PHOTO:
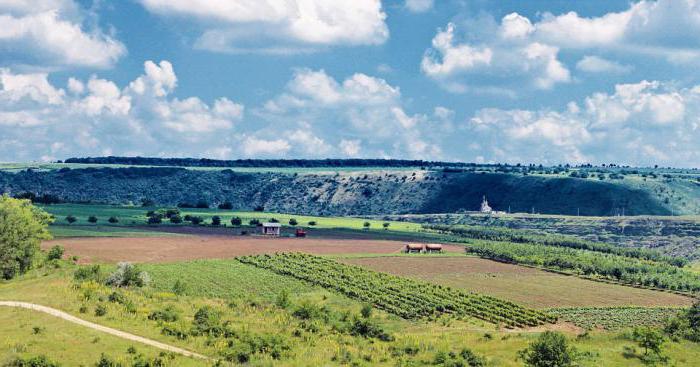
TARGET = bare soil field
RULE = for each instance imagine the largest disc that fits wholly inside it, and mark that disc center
(528, 286)
(172, 249)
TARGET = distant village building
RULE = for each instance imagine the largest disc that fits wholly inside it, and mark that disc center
(485, 208)
(271, 229)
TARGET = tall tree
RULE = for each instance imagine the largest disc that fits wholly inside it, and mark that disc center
(22, 227)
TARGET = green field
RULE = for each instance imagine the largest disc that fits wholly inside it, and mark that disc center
(136, 216)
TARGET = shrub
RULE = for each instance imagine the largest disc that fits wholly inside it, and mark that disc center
(106, 361)
(176, 219)
(154, 220)
(55, 253)
(38, 361)
(128, 275)
(202, 204)
(366, 225)
(236, 221)
(254, 222)
(259, 208)
(89, 273)
(179, 287)
(117, 297)
(649, 339)
(196, 220)
(216, 220)
(293, 222)
(386, 225)
(207, 321)
(71, 219)
(113, 220)
(167, 314)
(312, 223)
(282, 300)
(92, 219)
(550, 349)
(226, 205)
(367, 328)
(274, 220)
(366, 310)
(100, 310)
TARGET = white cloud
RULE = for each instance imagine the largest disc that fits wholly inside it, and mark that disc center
(98, 116)
(485, 53)
(350, 148)
(595, 64)
(360, 110)
(419, 6)
(279, 26)
(253, 147)
(50, 33)
(638, 124)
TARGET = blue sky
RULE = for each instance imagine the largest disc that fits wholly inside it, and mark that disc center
(470, 80)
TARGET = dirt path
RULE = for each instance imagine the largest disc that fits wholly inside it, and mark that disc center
(104, 329)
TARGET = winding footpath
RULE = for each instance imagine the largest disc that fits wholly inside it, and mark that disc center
(70, 318)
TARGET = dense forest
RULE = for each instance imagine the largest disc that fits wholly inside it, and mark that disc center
(277, 163)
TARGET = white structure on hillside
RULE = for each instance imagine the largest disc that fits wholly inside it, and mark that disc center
(485, 208)
(271, 229)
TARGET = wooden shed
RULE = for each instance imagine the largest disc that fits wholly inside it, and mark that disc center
(271, 229)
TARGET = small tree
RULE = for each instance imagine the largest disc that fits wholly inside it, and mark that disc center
(236, 221)
(92, 219)
(312, 223)
(227, 205)
(22, 227)
(551, 349)
(254, 222)
(154, 220)
(196, 220)
(127, 275)
(176, 219)
(216, 220)
(649, 339)
(293, 222)
(55, 253)
(71, 219)
(385, 225)
(274, 220)
(366, 225)
(113, 220)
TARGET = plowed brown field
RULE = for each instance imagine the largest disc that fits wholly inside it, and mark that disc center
(171, 249)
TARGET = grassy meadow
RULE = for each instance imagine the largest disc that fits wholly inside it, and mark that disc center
(253, 314)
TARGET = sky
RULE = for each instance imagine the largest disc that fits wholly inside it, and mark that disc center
(499, 81)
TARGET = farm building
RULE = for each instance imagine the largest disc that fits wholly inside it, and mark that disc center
(433, 247)
(271, 229)
(416, 248)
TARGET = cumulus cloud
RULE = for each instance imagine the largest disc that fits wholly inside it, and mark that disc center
(595, 64)
(96, 116)
(274, 26)
(419, 6)
(358, 116)
(508, 59)
(633, 125)
(254, 147)
(482, 52)
(53, 33)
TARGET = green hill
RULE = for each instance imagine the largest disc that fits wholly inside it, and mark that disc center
(363, 192)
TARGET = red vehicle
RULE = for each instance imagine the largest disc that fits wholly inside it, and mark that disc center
(300, 233)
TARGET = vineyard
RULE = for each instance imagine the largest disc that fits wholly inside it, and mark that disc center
(407, 298)
(615, 318)
(521, 236)
(627, 270)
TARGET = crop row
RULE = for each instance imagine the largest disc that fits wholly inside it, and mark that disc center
(520, 236)
(407, 298)
(632, 271)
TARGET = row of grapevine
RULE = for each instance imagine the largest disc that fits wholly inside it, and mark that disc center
(521, 236)
(407, 298)
(632, 271)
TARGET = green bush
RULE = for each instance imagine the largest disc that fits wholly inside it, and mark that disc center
(128, 275)
(236, 221)
(22, 227)
(293, 222)
(71, 219)
(216, 220)
(100, 310)
(92, 219)
(551, 349)
(168, 314)
(176, 219)
(90, 272)
(38, 361)
(113, 220)
(55, 253)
